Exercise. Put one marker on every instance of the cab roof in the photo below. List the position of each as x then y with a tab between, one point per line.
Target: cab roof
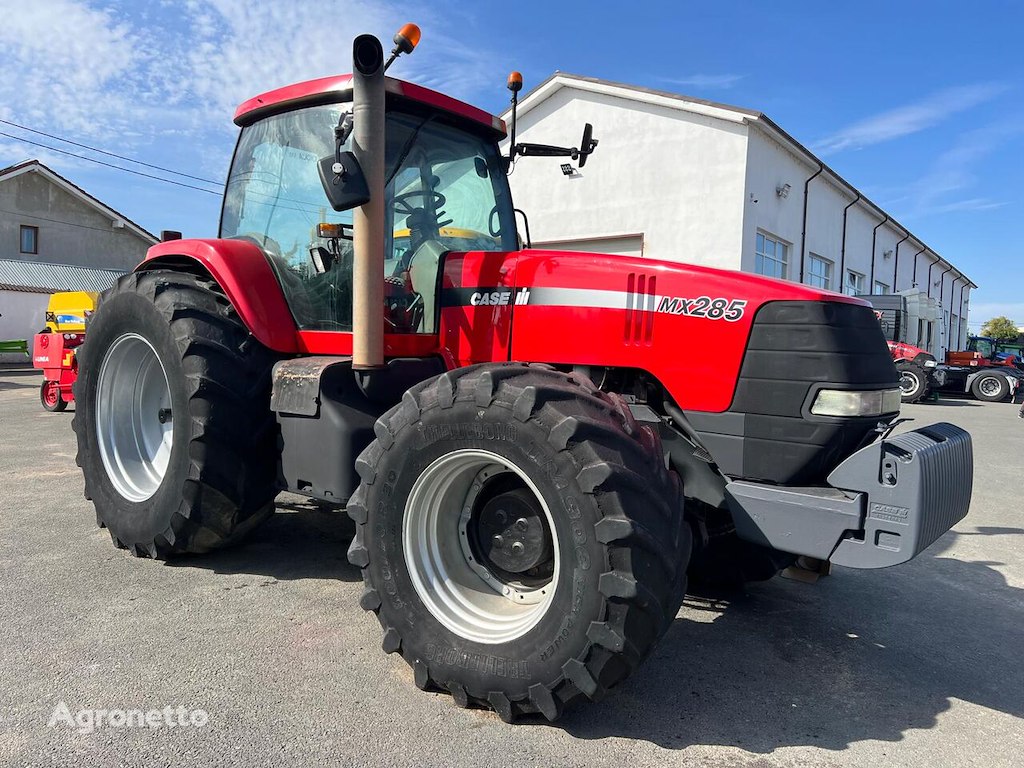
327	90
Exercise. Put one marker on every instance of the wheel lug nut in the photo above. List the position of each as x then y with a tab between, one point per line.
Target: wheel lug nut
502	516
521	524
517	548
498	541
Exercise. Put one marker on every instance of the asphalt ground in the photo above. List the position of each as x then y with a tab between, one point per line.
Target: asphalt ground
919	665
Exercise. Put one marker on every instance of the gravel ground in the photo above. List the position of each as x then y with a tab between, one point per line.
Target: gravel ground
913	666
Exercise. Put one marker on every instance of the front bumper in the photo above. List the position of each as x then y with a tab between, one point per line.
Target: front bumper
886	503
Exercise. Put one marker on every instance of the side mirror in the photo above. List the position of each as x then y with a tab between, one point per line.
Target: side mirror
343	181
587	143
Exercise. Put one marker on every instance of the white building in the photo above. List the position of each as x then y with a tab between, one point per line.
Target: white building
682	179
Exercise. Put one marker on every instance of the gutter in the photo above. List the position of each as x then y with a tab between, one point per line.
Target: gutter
842	249
913	280
874	236
803	235
896	268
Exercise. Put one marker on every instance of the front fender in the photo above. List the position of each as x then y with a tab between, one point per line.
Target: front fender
241	269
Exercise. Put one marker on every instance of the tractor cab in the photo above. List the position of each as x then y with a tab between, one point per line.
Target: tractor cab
445	189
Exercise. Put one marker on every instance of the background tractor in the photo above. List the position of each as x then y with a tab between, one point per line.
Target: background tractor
534	461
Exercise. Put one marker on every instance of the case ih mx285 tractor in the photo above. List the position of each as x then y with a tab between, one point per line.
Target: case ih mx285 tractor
533	462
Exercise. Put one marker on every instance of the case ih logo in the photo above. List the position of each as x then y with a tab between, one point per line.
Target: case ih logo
500	297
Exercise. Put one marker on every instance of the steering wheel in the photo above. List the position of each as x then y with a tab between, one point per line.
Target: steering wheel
402	204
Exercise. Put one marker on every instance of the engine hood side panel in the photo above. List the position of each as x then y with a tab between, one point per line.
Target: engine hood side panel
685	324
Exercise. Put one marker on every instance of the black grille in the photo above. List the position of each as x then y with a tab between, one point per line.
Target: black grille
768	433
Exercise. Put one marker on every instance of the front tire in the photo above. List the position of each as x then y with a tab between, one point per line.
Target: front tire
990	387
520	619
176	439
913	381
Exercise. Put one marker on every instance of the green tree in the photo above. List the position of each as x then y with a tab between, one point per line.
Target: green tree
1000	328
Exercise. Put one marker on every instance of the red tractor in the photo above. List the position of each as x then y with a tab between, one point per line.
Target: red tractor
533	461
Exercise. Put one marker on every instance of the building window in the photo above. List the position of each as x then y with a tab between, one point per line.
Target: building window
819	272
880	288
771	257
29	239
854	283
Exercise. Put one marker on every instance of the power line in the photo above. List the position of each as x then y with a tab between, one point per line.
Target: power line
111	154
110	165
21	214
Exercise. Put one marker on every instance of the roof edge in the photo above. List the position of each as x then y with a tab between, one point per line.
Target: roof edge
36	166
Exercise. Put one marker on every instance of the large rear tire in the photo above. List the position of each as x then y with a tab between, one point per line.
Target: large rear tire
521	540
175	434
913	381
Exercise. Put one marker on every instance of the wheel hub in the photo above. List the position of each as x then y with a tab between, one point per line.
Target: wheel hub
458	577
511	532
133	425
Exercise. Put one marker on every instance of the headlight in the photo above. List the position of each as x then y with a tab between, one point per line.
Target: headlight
838	402
930	363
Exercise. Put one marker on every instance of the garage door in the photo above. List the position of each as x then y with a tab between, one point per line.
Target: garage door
620	245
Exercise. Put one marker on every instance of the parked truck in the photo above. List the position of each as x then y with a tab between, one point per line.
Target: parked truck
979	372
534	445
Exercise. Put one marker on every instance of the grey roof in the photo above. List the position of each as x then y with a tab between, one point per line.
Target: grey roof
38	277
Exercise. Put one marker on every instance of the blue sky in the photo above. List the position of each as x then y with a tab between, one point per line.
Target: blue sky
918	104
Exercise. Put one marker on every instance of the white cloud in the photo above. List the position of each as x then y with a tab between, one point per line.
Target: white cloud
127	76
68	57
946	187
705	82
161	80
910	118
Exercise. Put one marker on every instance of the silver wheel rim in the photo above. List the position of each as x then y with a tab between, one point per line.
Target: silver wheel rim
908	383
458	590
989	386
131	396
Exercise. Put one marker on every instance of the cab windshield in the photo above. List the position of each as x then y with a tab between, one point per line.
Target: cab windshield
445	190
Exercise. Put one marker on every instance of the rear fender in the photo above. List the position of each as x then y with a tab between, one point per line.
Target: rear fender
241	269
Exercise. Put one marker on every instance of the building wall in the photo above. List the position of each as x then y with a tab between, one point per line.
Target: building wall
676	178
769	165
22	315
70	231
699	189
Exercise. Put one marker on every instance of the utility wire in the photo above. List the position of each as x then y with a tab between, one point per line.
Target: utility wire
110	165
23	215
110	154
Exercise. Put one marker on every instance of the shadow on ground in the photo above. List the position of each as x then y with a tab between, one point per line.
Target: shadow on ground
301	541
861	655
858	656
7	385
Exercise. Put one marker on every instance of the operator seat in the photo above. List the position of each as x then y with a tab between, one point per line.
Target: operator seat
423	273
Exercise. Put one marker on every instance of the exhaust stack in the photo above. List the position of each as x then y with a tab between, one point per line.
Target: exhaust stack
368	219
